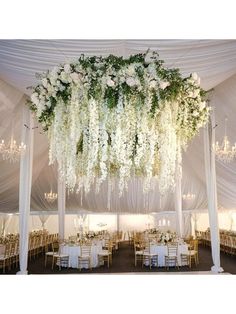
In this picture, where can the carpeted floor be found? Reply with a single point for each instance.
(123, 262)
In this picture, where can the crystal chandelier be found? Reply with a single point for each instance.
(50, 197)
(188, 197)
(225, 152)
(11, 151)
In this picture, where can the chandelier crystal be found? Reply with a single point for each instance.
(188, 197)
(50, 197)
(225, 152)
(12, 152)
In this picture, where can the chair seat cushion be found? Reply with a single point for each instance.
(149, 254)
(84, 257)
(50, 253)
(61, 255)
(139, 252)
(104, 253)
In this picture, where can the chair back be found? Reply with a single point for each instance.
(85, 250)
(172, 249)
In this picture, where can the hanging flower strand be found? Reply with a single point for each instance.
(116, 117)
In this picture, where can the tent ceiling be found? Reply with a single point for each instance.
(213, 60)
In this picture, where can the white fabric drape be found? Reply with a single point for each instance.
(26, 164)
(209, 139)
(43, 219)
(5, 221)
(61, 195)
(178, 199)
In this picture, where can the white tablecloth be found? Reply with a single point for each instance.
(161, 251)
(74, 251)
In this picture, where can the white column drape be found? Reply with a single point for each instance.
(26, 164)
(178, 200)
(209, 154)
(61, 199)
(43, 219)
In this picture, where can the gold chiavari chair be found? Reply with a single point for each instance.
(171, 259)
(138, 252)
(105, 256)
(151, 258)
(5, 258)
(85, 256)
(62, 260)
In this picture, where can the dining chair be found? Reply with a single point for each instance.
(85, 256)
(171, 259)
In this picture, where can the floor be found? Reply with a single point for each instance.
(123, 262)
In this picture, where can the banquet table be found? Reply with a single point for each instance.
(161, 250)
(73, 250)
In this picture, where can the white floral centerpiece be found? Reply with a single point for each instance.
(114, 117)
(167, 237)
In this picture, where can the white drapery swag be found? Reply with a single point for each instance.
(26, 164)
(61, 201)
(43, 219)
(209, 139)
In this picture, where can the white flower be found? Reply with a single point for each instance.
(110, 82)
(131, 81)
(151, 69)
(163, 84)
(195, 113)
(35, 99)
(67, 68)
(202, 105)
(130, 70)
(75, 77)
(194, 76)
(153, 84)
(45, 82)
(196, 93)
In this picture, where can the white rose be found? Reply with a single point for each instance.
(67, 68)
(198, 81)
(202, 105)
(195, 113)
(34, 98)
(64, 77)
(194, 76)
(196, 93)
(110, 82)
(131, 81)
(163, 84)
(130, 70)
(151, 69)
(153, 84)
(75, 77)
(45, 82)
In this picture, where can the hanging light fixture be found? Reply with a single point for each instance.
(12, 152)
(50, 197)
(188, 197)
(225, 152)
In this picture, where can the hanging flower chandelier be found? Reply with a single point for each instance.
(110, 117)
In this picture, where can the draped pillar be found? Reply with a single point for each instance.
(209, 154)
(26, 164)
(178, 199)
(118, 222)
(61, 201)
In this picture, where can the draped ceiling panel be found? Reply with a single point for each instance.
(213, 60)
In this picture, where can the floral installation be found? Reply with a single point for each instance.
(111, 117)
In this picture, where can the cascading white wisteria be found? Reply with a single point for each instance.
(111, 117)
